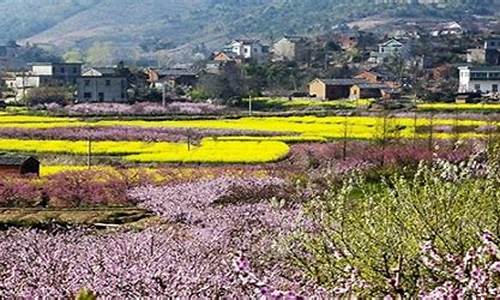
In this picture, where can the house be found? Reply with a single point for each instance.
(389, 50)
(372, 76)
(482, 80)
(476, 56)
(291, 48)
(172, 77)
(14, 164)
(331, 89)
(46, 75)
(247, 49)
(492, 51)
(447, 29)
(108, 84)
(377, 76)
(226, 57)
(489, 54)
(369, 90)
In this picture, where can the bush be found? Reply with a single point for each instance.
(46, 95)
(366, 238)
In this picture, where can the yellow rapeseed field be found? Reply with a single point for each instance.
(211, 151)
(81, 147)
(460, 106)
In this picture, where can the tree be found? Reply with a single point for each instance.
(100, 54)
(73, 56)
(227, 86)
(45, 95)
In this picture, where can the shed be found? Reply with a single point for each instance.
(331, 89)
(14, 164)
(368, 90)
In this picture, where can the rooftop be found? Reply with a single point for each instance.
(481, 68)
(342, 81)
(52, 64)
(372, 86)
(10, 159)
(176, 72)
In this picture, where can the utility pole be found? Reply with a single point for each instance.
(89, 152)
(250, 105)
(163, 95)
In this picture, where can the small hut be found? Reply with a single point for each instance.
(15, 164)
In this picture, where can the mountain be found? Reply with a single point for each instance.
(139, 29)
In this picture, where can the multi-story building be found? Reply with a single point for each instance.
(247, 49)
(489, 54)
(103, 85)
(390, 50)
(46, 75)
(67, 73)
(482, 80)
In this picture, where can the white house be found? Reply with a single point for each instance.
(46, 75)
(447, 29)
(482, 80)
(102, 84)
(389, 50)
(247, 49)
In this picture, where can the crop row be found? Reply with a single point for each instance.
(208, 151)
(361, 127)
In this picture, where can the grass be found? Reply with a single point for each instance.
(32, 217)
(303, 103)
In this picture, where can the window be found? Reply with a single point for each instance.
(63, 70)
(87, 82)
(87, 95)
(75, 70)
(246, 50)
(477, 87)
(494, 88)
(108, 82)
(101, 96)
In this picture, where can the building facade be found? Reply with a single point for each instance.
(390, 50)
(247, 49)
(291, 48)
(332, 89)
(102, 85)
(46, 75)
(482, 80)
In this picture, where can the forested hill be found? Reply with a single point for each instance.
(149, 26)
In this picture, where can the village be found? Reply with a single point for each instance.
(428, 62)
(356, 159)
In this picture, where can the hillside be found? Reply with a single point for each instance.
(145, 28)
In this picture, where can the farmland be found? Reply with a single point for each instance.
(190, 208)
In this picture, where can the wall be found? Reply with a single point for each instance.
(116, 91)
(317, 88)
(284, 49)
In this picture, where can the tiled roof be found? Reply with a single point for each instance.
(9, 159)
(372, 86)
(342, 81)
